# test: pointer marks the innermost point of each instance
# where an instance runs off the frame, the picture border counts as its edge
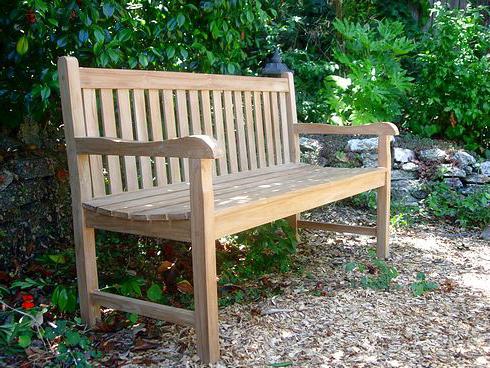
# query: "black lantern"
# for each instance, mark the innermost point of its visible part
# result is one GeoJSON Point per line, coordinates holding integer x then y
{"type": "Point", "coordinates": [275, 67]}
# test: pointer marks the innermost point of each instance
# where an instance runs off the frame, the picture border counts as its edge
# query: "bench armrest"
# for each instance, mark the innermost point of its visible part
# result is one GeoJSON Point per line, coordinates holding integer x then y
{"type": "Point", "coordinates": [368, 129]}
{"type": "Point", "coordinates": [194, 146]}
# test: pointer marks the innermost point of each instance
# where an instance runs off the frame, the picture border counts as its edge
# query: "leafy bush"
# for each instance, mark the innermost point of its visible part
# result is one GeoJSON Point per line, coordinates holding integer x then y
{"type": "Point", "coordinates": [422, 286]}
{"type": "Point", "coordinates": [453, 83]}
{"type": "Point", "coordinates": [309, 76]}
{"type": "Point", "coordinates": [376, 84]}
{"type": "Point", "coordinates": [207, 36]}
{"type": "Point", "coordinates": [470, 210]}
{"type": "Point", "coordinates": [262, 250]}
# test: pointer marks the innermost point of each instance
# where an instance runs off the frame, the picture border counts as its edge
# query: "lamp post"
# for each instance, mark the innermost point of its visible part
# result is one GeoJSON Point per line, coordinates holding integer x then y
{"type": "Point", "coordinates": [275, 67]}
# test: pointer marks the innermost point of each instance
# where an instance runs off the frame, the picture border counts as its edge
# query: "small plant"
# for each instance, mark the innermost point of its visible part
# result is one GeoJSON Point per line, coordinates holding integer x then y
{"type": "Point", "coordinates": [467, 210]}
{"type": "Point", "coordinates": [375, 274]}
{"type": "Point", "coordinates": [422, 286]}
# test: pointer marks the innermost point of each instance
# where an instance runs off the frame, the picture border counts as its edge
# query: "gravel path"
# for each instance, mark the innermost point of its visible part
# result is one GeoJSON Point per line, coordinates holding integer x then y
{"type": "Point", "coordinates": [322, 321]}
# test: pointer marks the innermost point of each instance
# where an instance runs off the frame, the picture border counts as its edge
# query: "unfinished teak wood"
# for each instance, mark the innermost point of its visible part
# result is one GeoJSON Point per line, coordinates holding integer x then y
{"type": "Point", "coordinates": [194, 157]}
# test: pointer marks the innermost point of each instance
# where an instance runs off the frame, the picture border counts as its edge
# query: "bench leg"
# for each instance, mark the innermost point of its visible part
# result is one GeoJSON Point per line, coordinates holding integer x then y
{"type": "Point", "coordinates": [293, 222]}
{"type": "Point", "coordinates": [383, 222]}
{"type": "Point", "coordinates": [204, 261]}
{"type": "Point", "coordinates": [86, 273]}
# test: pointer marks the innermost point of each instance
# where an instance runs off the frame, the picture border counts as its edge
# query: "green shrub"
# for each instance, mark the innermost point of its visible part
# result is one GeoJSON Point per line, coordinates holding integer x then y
{"type": "Point", "coordinates": [309, 76]}
{"type": "Point", "coordinates": [206, 36]}
{"type": "Point", "coordinates": [376, 84]}
{"type": "Point", "coordinates": [470, 210]}
{"type": "Point", "coordinates": [453, 83]}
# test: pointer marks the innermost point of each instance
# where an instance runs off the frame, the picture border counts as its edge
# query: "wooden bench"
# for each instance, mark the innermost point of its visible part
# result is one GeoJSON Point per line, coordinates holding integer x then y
{"type": "Point", "coordinates": [143, 160]}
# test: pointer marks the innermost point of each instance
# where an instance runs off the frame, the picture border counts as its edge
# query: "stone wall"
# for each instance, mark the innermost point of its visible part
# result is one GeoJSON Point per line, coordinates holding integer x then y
{"type": "Point", "coordinates": [413, 168]}
{"type": "Point", "coordinates": [34, 206]}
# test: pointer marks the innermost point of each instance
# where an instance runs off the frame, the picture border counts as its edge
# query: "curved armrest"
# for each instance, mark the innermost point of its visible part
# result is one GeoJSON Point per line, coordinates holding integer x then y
{"type": "Point", "coordinates": [368, 129]}
{"type": "Point", "coordinates": [194, 146]}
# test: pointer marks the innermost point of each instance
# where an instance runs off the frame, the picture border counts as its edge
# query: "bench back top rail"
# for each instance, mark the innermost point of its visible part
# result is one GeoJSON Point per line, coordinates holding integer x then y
{"type": "Point", "coordinates": [251, 117]}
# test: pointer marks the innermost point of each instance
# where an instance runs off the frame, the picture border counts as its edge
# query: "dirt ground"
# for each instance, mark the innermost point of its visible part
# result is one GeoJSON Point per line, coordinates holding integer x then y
{"type": "Point", "coordinates": [321, 320]}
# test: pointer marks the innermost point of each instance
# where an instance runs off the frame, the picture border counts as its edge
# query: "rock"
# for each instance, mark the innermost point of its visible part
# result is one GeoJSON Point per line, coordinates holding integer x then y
{"type": "Point", "coordinates": [410, 166]}
{"type": "Point", "coordinates": [454, 182]}
{"type": "Point", "coordinates": [470, 189]}
{"type": "Point", "coordinates": [485, 235]}
{"type": "Point", "coordinates": [408, 192]}
{"type": "Point", "coordinates": [485, 168]}
{"type": "Point", "coordinates": [309, 144]}
{"type": "Point", "coordinates": [477, 179]}
{"type": "Point", "coordinates": [6, 178]}
{"type": "Point", "coordinates": [362, 145]}
{"type": "Point", "coordinates": [450, 171]}
{"type": "Point", "coordinates": [404, 155]}
{"type": "Point", "coordinates": [432, 154]}
{"type": "Point", "coordinates": [464, 159]}
{"type": "Point", "coordinates": [403, 175]}
{"type": "Point", "coordinates": [369, 159]}
{"type": "Point", "coordinates": [34, 168]}
{"type": "Point", "coordinates": [468, 170]}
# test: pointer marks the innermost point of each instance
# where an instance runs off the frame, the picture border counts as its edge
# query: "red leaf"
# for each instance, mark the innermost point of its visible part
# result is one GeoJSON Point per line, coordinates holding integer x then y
{"type": "Point", "coordinates": [185, 287]}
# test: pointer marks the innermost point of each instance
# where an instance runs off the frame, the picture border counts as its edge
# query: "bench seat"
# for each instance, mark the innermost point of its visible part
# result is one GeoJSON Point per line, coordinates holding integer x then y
{"type": "Point", "coordinates": [252, 196]}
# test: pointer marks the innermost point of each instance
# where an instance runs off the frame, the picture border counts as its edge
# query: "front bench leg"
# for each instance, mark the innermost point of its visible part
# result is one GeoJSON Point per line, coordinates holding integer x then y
{"type": "Point", "coordinates": [204, 259]}
{"type": "Point", "coordinates": [383, 199]}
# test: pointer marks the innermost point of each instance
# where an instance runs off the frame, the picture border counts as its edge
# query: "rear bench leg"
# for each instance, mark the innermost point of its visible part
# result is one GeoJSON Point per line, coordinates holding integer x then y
{"type": "Point", "coordinates": [204, 260]}
{"type": "Point", "coordinates": [86, 272]}
{"type": "Point", "coordinates": [383, 201]}
{"type": "Point", "coordinates": [293, 222]}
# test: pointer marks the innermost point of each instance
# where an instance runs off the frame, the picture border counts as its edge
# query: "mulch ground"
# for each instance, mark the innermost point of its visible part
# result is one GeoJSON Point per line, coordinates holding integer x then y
{"type": "Point", "coordinates": [321, 320]}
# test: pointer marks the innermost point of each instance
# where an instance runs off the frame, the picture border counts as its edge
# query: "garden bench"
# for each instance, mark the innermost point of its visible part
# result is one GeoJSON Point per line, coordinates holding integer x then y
{"type": "Point", "coordinates": [143, 160]}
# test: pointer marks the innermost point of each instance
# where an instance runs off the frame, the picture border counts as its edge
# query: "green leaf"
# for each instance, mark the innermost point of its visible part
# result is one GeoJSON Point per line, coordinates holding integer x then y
{"type": "Point", "coordinates": [56, 258]}
{"type": "Point", "coordinates": [124, 35]}
{"type": "Point", "coordinates": [280, 364]}
{"type": "Point", "coordinates": [351, 266]}
{"type": "Point", "coordinates": [170, 52]}
{"type": "Point", "coordinates": [184, 53]}
{"type": "Point", "coordinates": [154, 293]}
{"type": "Point", "coordinates": [133, 318]}
{"type": "Point", "coordinates": [72, 338]}
{"type": "Point", "coordinates": [180, 19]}
{"type": "Point", "coordinates": [22, 45]}
{"type": "Point", "coordinates": [143, 60]}
{"type": "Point", "coordinates": [108, 9]}
{"type": "Point", "coordinates": [99, 35]}
{"type": "Point", "coordinates": [82, 36]}
{"type": "Point", "coordinates": [24, 341]}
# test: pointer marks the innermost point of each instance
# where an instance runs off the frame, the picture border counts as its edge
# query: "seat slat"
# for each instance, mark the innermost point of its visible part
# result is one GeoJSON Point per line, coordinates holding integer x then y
{"type": "Point", "coordinates": [157, 134]}
{"type": "Point", "coordinates": [92, 129]}
{"type": "Point", "coordinates": [249, 123]}
{"type": "Point", "coordinates": [154, 204]}
{"type": "Point", "coordinates": [171, 130]}
{"type": "Point", "coordinates": [240, 129]}
{"type": "Point", "coordinates": [126, 123]}
{"type": "Point", "coordinates": [142, 135]}
{"type": "Point", "coordinates": [110, 130]}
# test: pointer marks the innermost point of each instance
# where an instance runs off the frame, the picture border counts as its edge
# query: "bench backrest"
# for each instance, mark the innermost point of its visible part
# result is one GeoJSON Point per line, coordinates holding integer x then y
{"type": "Point", "coordinates": [251, 116]}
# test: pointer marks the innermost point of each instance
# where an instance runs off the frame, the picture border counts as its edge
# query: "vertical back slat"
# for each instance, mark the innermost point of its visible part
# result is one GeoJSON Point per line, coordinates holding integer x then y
{"type": "Point", "coordinates": [157, 134]}
{"type": "Point", "coordinates": [142, 135]}
{"type": "Point", "coordinates": [259, 126]}
{"type": "Point", "coordinates": [284, 126]}
{"type": "Point", "coordinates": [170, 127]}
{"type": "Point", "coordinates": [249, 124]}
{"type": "Point", "coordinates": [126, 124]}
{"type": "Point", "coordinates": [230, 132]}
{"type": "Point", "coordinates": [240, 128]}
{"type": "Point", "coordinates": [195, 113]}
{"type": "Point", "coordinates": [268, 129]}
{"type": "Point", "coordinates": [207, 119]}
{"type": "Point", "coordinates": [220, 130]}
{"type": "Point", "coordinates": [110, 130]}
{"type": "Point", "coordinates": [92, 128]}
{"type": "Point", "coordinates": [183, 124]}
{"type": "Point", "coordinates": [276, 127]}
{"type": "Point", "coordinates": [292, 118]}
